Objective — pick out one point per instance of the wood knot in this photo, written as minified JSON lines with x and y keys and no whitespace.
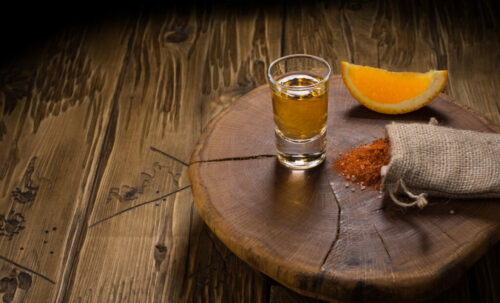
{"x":160,"y":254}
{"x":4,"y":284}
{"x":259,"y":70}
{"x":10,"y":291}
{"x":15,"y":280}
{"x":24,"y":197}
{"x":27,"y":192}
{"x":130,"y":194}
{"x":25,"y":280}
{"x":258,"y":63}
{"x":176,"y":37}
{"x":259,"y":66}
{"x":11,"y":225}
{"x":161,"y":248}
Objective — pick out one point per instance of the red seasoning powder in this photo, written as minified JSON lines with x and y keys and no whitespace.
{"x":362,"y":165}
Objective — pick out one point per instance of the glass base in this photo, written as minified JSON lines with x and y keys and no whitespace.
{"x":301,"y":154}
{"x":305,"y":161}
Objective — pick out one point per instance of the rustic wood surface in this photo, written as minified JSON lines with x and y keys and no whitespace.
{"x":98,"y":121}
{"x":309,"y":231}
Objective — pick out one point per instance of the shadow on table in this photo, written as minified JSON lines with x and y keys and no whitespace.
{"x":421,"y":115}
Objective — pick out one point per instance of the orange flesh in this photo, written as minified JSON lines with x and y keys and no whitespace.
{"x":388,"y":87}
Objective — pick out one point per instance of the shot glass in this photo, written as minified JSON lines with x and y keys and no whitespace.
{"x":299,"y":92}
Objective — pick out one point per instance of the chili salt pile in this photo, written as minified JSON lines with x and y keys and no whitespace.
{"x":362,"y":165}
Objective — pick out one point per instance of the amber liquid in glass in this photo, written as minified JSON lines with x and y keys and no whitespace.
{"x":299,"y":112}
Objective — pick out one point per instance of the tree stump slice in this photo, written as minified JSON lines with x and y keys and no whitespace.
{"x":310,"y":232}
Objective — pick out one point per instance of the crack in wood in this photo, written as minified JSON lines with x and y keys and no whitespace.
{"x":386,"y":251}
{"x":168,"y":156}
{"x":28,"y":269}
{"x":337,"y":234}
{"x":138,"y":205}
{"x":235,"y":159}
{"x":63,"y":293}
{"x":383,"y":243}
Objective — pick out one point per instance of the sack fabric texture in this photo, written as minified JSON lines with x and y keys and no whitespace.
{"x":439,"y":161}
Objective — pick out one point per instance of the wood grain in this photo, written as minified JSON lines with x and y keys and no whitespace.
{"x":98,"y":122}
{"x":467,"y":45}
{"x":49,"y":149}
{"x":311,"y":233}
{"x":184,"y":67}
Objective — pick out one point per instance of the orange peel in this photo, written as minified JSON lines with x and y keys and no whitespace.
{"x":389,"y":92}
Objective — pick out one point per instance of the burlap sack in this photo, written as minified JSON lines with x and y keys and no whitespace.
{"x":433,"y":160}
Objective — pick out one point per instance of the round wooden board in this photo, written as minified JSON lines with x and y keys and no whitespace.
{"x":306,"y":230}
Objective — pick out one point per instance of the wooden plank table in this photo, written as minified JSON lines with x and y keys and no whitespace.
{"x":98,"y":121}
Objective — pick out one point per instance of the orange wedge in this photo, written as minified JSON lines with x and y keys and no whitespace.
{"x":392,"y":92}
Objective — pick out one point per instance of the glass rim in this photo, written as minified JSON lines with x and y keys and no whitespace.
{"x":274,"y":82}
